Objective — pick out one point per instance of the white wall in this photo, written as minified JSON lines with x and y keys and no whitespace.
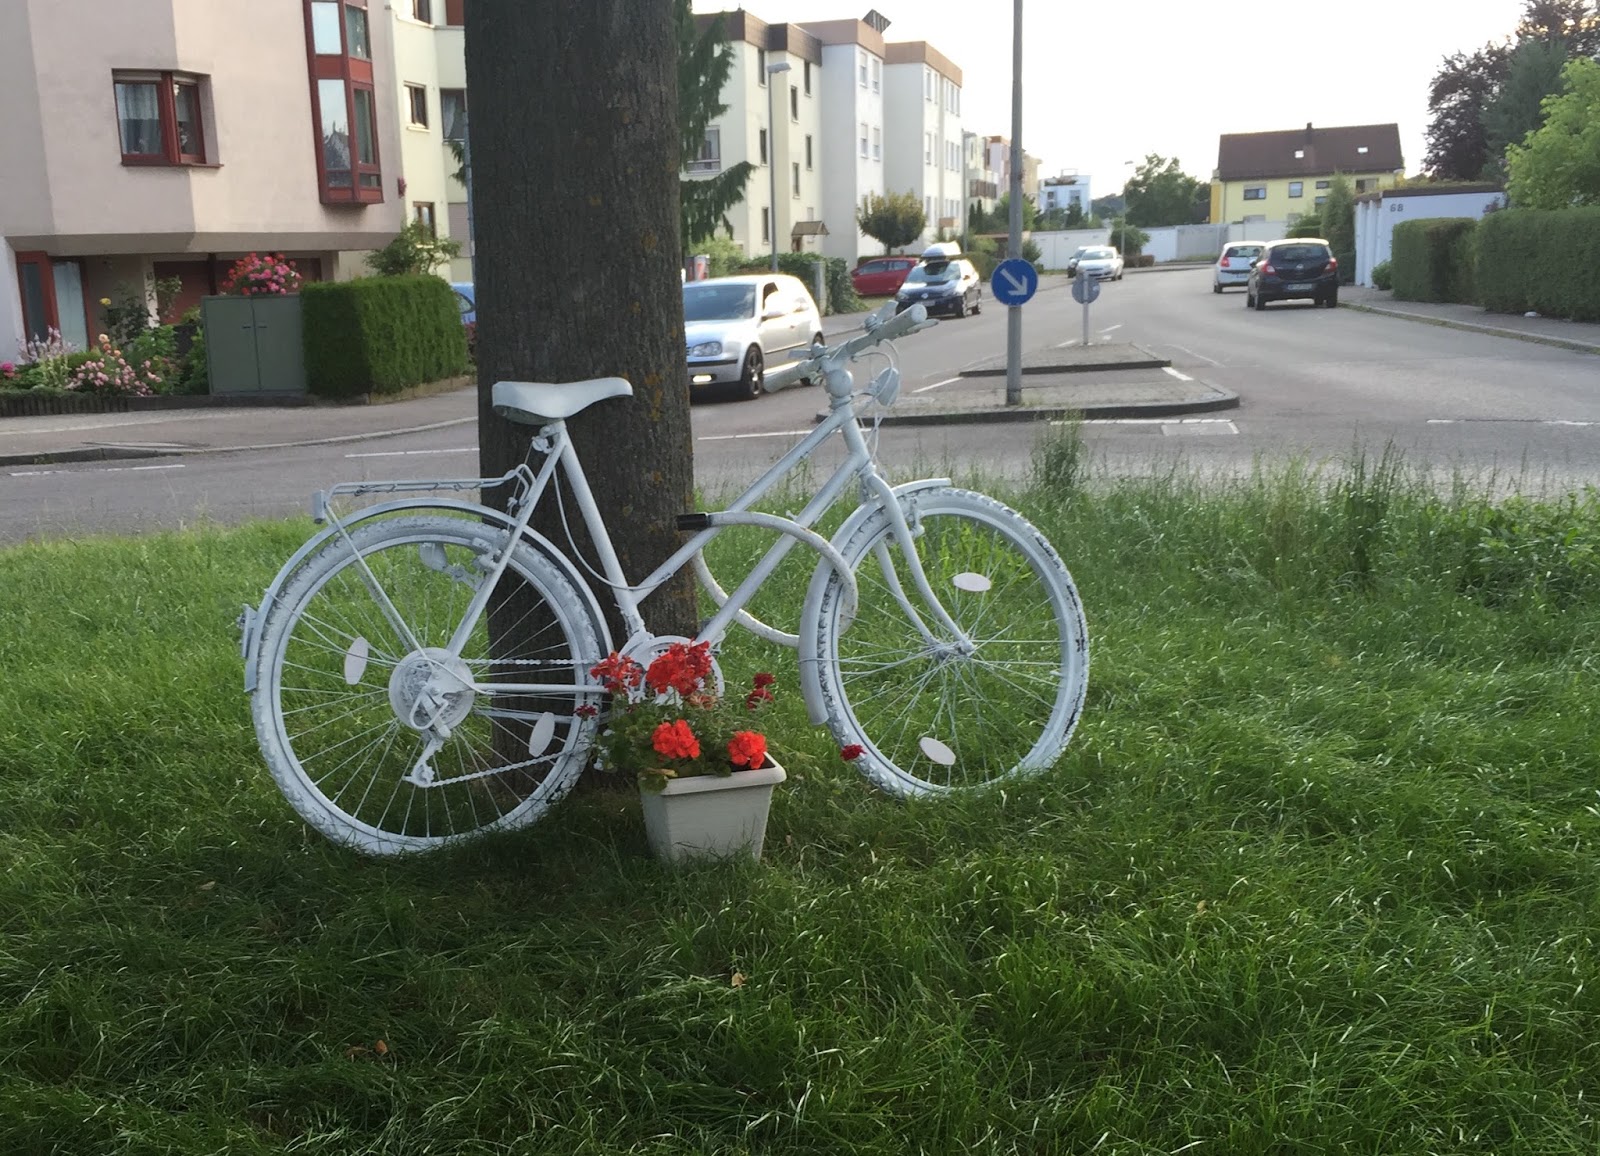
{"x":1375,"y":221}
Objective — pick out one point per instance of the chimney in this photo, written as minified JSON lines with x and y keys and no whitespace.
{"x":1308,"y":126}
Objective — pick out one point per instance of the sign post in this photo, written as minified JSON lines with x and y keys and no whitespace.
{"x":1084,"y":290}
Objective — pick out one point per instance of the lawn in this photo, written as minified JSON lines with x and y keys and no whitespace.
{"x":1318,"y":874}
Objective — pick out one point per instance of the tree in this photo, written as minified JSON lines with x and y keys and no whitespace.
{"x":1000,"y":219}
{"x":557,"y":173}
{"x":704,"y":61}
{"x":1112,"y":205}
{"x":1458,"y":95}
{"x":1575,"y":22}
{"x":1160,"y":193}
{"x":1559,"y":166}
{"x":415,"y":249}
{"x":1533,"y":72}
{"x":1128,"y":238}
{"x":1339,"y":224}
{"x":893,"y":221}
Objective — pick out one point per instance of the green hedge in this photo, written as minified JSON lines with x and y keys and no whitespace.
{"x":836,"y":276}
{"x":1545,"y":261}
{"x":1435,"y":259}
{"x":380,"y":334}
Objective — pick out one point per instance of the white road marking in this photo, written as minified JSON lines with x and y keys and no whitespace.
{"x":935,"y":385}
{"x":1201,"y":356}
{"x":95,"y":470}
{"x":1169,"y":425}
{"x":1064,"y":344}
{"x":412,"y":453}
{"x":1509,"y":421}
{"x":1176,"y":374}
{"x":1113,"y":329}
{"x":781,"y":433}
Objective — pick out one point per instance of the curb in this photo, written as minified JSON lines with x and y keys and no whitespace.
{"x":1154,"y":409}
{"x":1473,"y":327}
{"x":121,"y":453}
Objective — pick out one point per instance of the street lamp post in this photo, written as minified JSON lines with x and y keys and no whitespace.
{"x":773,"y":71}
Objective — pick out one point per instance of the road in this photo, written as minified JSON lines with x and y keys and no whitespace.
{"x":1313,"y":384}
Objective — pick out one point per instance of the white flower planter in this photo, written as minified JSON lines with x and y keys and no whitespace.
{"x":710,"y":817}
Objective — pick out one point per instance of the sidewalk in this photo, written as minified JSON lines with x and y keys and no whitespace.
{"x":1582,"y":336}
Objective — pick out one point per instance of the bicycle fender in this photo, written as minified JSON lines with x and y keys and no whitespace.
{"x":253,"y":618}
{"x":811,"y":611}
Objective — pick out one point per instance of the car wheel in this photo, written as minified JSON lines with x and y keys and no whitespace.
{"x":1249,"y":298}
{"x":977,"y":302}
{"x":1261,"y":302}
{"x":961,"y":306}
{"x":754,"y":374}
{"x":1216,"y":287}
{"x":817,"y":346}
{"x":1333,"y":299}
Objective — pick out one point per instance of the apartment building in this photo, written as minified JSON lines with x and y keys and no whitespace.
{"x":923,"y":156}
{"x":983,"y":182}
{"x":1284,"y":175}
{"x":180,"y":135}
{"x":853,"y":128}
{"x":1064,"y":190}
{"x":430,"y":109}
{"x":997,"y":154}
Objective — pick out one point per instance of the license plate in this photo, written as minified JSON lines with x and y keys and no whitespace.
{"x":1300,"y":288}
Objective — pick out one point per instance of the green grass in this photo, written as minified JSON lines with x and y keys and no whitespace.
{"x":1318,"y":874}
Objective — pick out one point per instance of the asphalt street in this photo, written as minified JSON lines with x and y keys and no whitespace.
{"x":1313,"y":384}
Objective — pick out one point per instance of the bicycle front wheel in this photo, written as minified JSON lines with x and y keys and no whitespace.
{"x":356,"y":681}
{"x":935,"y":710}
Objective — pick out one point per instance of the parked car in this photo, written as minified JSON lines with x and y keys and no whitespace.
{"x":1072,"y":261}
{"x":943,"y":282}
{"x":1101,"y":262}
{"x":1298,"y":267}
{"x":466,"y":301}
{"x":1233,"y":266}
{"x":736,"y":327}
{"x":881,"y":276}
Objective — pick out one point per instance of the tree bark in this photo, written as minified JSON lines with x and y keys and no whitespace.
{"x":575,"y":169}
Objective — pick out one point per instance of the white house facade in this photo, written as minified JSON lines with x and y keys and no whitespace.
{"x":1379,"y":212}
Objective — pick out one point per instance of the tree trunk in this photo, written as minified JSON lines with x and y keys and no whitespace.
{"x":575,"y":202}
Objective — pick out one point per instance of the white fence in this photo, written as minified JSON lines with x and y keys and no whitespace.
{"x":1172,"y":243}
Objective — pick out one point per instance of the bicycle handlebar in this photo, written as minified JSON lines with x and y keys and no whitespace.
{"x":901,"y":324}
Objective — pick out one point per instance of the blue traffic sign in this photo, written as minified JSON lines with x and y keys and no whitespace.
{"x":1014,"y":281}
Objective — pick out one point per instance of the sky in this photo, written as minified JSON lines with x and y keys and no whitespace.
{"x":1179,"y":73}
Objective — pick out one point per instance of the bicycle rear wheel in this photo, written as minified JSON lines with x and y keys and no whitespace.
{"x":336,"y":708}
{"x":931,"y":713}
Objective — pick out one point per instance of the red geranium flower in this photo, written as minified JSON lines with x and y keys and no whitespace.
{"x":681,"y":668}
{"x":675,"y":740}
{"x":747,"y":749}
{"x":762,"y":680}
{"x":616,"y":673}
{"x":852,"y":752}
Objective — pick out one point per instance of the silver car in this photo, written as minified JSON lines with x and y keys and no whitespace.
{"x":1233,"y":266}
{"x":1101,"y":262}
{"x":736,"y":327}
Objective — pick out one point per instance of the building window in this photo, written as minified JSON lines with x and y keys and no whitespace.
{"x":709,"y":159}
{"x":1323,"y":185}
{"x":422,"y":10}
{"x":766,"y":224}
{"x":453,"y":113}
{"x":1297,"y":188}
{"x":417,"y":105}
{"x":761,"y":145}
{"x":794,"y":104}
{"x":927,"y":148}
{"x":1320,"y":201}
{"x":927,"y":207}
{"x":422,"y":213}
{"x":158,"y":118}
{"x":1366,"y":184}
{"x":877,"y":75}
{"x":1255,"y":193}
{"x":808,"y":152}
{"x":796,"y":167}
{"x":761,"y":67}
{"x":863,"y":141}
{"x":1299,"y":154}
{"x":877,"y":144}
{"x":927,"y":85}
{"x":807,"y":72}
{"x":455,"y":13}
{"x":861,"y":67}
{"x":343,"y":104}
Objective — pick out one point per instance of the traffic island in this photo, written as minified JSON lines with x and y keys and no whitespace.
{"x":1074,"y":358}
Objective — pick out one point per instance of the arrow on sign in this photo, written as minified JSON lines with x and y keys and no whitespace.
{"x":1017,"y":284}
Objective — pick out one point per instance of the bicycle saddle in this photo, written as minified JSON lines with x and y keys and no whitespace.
{"x":536,"y":402}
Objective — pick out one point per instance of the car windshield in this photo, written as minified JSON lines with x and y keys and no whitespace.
{"x":718,"y":302}
{"x":1098,"y":254}
{"x":1300,"y":253}
{"x":935,"y":274}
{"x":1080,"y":251}
{"x":1250,"y":251}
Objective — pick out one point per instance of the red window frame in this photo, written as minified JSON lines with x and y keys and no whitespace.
{"x":455,"y":13}
{"x":166,"y":85}
{"x":355,"y":74}
{"x":45,"y":265}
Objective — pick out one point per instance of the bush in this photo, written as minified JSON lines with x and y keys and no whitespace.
{"x":415,"y":250}
{"x":380,"y":334}
{"x":1545,"y":261}
{"x":836,"y":277}
{"x":1306,"y":227}
{"x":1139,"y":261}
{"x":1338,"y":219}
{"x":1434,"y":260}
{"x":1383,"y":275}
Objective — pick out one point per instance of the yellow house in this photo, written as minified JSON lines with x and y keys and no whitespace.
{"x":1282,"y":176}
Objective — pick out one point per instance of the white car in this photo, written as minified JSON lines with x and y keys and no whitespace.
{"x":735,"y":327}
{"x":1233,"y":266}
{"x":1101,"y":262}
